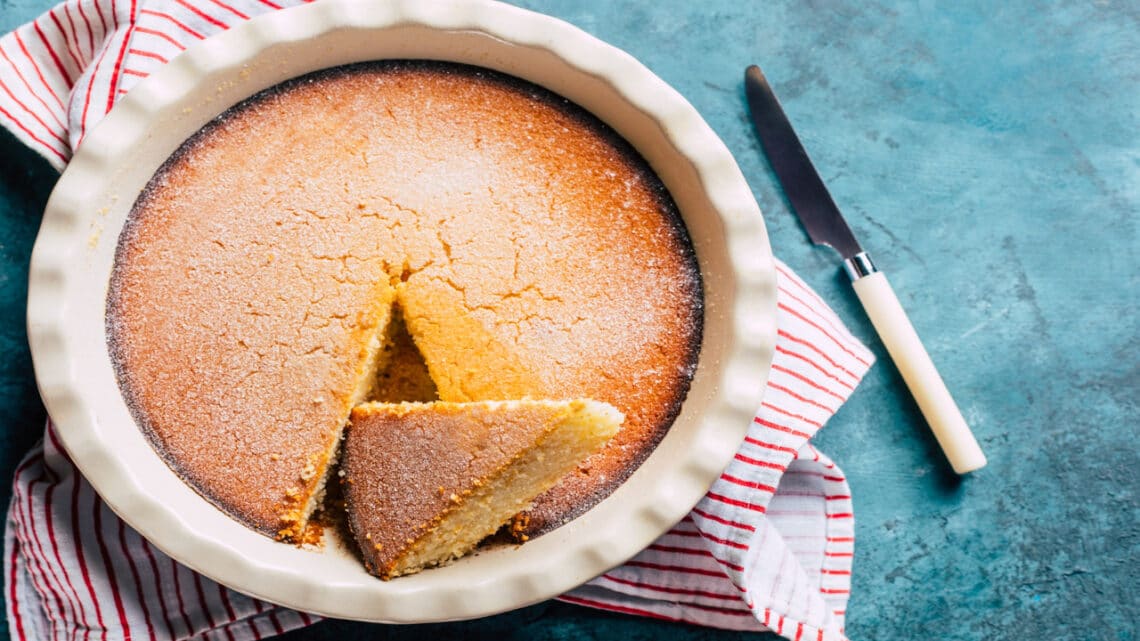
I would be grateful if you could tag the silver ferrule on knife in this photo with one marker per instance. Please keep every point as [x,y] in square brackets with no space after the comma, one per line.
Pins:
[859,265]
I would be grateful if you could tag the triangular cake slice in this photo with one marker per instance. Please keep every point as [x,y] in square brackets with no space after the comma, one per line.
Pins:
[425,482]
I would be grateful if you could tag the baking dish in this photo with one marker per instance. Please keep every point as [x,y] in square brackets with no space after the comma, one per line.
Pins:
[74,254]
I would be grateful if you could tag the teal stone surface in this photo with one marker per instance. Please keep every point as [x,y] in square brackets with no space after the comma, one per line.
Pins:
[988,155]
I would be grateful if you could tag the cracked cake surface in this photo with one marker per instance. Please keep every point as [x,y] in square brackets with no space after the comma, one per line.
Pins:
[529,251]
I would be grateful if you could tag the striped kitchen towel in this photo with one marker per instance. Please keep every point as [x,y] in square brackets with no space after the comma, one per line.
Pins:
[768,548]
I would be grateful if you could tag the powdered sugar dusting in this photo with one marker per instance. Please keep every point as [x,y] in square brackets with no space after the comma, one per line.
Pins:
[531,251]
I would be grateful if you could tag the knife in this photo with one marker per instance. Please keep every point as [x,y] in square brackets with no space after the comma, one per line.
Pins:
[826,226]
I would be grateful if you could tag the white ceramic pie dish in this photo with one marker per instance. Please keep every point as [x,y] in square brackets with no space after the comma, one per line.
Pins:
[74,254]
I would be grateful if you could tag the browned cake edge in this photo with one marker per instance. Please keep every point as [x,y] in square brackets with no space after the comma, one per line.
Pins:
[667,206]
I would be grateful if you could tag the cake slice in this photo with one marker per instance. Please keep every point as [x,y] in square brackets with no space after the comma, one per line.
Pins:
[425,482]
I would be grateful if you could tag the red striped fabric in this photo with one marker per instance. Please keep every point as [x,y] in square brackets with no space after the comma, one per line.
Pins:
[769,547]
[780,513]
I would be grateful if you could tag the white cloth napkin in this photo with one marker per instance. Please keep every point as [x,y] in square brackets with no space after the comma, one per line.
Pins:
[768,548]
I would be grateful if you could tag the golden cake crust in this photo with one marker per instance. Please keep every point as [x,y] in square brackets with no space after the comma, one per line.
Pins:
[530,250]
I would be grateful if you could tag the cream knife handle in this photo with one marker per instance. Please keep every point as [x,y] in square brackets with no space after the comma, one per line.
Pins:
[897,333]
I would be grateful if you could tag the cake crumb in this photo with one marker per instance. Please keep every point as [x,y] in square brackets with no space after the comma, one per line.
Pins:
[309,471]
[518,527]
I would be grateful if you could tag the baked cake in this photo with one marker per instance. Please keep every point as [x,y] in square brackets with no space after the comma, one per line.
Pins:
[425,482]
[525,249]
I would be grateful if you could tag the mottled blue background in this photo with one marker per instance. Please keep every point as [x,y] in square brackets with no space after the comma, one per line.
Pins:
[988,153]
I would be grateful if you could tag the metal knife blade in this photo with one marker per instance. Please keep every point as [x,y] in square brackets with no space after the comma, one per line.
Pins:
[807,193]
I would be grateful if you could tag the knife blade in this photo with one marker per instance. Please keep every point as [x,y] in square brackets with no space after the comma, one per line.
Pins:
[825,225]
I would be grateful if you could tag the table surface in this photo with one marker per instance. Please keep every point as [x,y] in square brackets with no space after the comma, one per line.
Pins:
[989,155]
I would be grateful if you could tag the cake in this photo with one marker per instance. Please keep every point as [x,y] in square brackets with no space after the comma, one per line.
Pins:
[425,482]
[308,249]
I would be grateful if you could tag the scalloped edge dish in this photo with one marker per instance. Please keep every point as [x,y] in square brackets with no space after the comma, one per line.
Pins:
[74,253]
